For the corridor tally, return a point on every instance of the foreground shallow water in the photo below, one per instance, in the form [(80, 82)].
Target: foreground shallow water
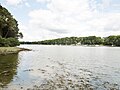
[(61, 68)]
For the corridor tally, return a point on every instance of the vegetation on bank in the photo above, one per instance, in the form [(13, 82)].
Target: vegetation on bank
[(9, 31), (9, 42), (90, 40)]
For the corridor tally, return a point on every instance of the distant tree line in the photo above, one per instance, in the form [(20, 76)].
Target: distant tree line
[(9, 31), (90, 40)]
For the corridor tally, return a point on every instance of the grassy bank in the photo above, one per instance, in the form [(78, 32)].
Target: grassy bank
[(11, 50)]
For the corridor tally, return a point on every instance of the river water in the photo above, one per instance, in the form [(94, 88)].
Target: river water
[(61, 68)]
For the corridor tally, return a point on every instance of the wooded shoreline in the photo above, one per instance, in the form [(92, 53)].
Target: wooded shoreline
[(113, 40)]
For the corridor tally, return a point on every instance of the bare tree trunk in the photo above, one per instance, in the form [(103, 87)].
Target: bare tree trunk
[(6, 33), (0, 31)]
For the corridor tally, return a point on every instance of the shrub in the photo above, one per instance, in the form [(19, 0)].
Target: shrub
[(9, 42)]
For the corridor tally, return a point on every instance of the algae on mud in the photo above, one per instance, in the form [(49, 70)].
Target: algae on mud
[(11, 50)]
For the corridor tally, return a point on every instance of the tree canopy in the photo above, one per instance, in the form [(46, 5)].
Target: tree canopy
[(8, 25), (90, 40), (9, 31)]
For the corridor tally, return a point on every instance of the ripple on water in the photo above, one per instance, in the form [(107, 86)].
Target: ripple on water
[(66, 68)]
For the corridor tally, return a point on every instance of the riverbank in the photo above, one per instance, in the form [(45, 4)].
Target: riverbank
[(11, 50)]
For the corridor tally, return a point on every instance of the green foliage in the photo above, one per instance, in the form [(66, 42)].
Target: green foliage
[(13, 42), (117, 41), (61, 41), (4, 42), (9, 31), (8, 24), (9, 42), (112, 40), (90, 40)]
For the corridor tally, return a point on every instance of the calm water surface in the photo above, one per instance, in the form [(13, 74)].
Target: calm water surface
[(61, 68)]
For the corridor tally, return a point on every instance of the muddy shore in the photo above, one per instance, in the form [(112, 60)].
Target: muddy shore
[(11, 50)]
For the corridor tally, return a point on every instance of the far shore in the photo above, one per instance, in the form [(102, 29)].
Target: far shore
[(75, 45), (11, 50)]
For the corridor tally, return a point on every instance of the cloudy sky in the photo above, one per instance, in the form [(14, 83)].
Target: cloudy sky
[(47, 19)]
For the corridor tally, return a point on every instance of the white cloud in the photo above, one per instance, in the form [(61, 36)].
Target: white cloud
[(43, 1), (72, 18), (17, 2), (62, 17), (27, 4), (105, 4), (14, 2), (110, 20)]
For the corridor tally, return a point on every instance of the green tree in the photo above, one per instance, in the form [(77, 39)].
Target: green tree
[(117, 41), (9, 31), (110, 40), (8, 24), (92, 40)]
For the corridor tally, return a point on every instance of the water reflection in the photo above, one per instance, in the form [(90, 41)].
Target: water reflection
[(8, 67), (61, 68)]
